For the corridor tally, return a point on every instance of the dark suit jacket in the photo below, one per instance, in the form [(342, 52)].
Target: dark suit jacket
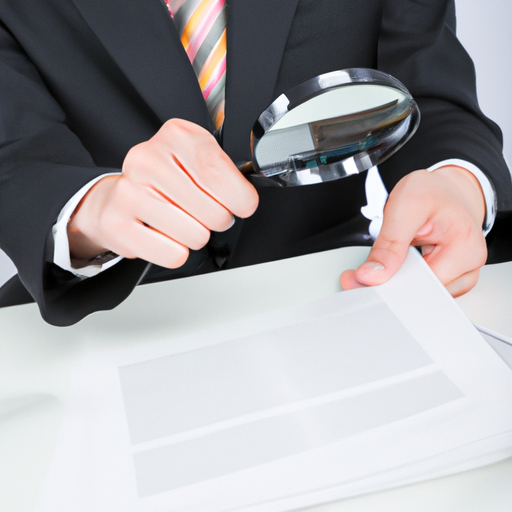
[(82, 81)]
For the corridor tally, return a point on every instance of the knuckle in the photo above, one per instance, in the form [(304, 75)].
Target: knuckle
[(390, 247), (210, 163), (177, 128), (134, 155), (136, 160), (412, 179), (122, 204), (172, 128)]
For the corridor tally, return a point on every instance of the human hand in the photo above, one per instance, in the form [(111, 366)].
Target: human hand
[(441, 211), (174, 189)]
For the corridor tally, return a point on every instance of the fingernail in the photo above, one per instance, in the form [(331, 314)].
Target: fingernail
[(230, 224), (374, 266), (427, 249), (425, 230)]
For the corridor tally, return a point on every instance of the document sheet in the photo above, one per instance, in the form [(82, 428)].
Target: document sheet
[(359, 391)]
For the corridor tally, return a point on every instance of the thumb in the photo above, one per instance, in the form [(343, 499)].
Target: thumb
[(384, 260), (389, 250)]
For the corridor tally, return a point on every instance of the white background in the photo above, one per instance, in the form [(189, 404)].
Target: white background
[(485, 29)]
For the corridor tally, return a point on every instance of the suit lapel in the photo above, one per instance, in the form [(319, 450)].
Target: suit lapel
[(141, 38), (257, 34)]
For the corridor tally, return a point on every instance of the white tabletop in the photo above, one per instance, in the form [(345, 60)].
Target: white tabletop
[(36, 363)]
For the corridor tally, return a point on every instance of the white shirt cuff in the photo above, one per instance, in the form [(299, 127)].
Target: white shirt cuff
[(61, 254), (485, 183)]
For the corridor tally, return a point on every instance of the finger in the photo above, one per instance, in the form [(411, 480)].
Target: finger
[(424, 230), (182, 193), (201, 158), (450, 259), (151, 170), (348, 280), (139, 241), (401, 224), (172, 222), (464, 283), (427, 249)]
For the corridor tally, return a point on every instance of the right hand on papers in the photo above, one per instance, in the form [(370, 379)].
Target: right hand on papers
[(441, 211), (174, 189)]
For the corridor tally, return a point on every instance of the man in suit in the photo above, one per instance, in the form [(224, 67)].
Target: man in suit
[(89, 88)]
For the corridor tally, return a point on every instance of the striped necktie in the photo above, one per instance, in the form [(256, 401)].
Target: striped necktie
[(202, 28)]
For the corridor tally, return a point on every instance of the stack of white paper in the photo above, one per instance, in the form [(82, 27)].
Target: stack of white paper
[(357, 392)]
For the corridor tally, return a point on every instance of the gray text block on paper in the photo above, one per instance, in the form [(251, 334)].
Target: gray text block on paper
[(176, 393), (234, 449)]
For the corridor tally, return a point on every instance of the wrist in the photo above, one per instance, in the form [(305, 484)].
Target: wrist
[(469, 189), (485, 185), (82, 228)]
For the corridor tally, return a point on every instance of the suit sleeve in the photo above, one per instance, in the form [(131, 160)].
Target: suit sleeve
[(42, 164), (418, 45)]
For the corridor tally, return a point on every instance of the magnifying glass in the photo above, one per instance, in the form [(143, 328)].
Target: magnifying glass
[(332, 126)]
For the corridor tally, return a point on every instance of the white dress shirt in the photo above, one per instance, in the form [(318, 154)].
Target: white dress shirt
[(375, 198)]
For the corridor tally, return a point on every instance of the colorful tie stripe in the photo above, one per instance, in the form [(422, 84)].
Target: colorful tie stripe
[(202, 28)]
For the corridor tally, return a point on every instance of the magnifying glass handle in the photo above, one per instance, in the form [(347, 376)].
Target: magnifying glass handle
[(246, 168)]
